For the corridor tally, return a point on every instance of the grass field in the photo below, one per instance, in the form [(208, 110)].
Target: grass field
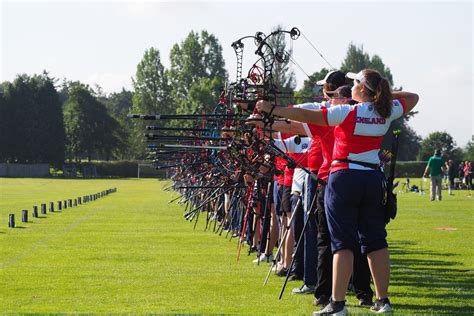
[(132, 252)]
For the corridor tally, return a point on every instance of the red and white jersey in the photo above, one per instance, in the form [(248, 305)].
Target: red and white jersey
[(299, 153), (325, 136), (359, 132), (296, 151), (315, 155), (280, 163)]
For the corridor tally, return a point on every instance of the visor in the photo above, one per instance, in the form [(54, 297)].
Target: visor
[(334, 77), (361, 78)]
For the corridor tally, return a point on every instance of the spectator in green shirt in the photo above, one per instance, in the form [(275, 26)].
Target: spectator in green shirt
[(436, 168)]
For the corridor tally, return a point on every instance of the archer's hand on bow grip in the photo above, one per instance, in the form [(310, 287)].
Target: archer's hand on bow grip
[(264, 106), (255, 120)]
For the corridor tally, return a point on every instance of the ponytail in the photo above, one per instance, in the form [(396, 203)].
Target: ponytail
[(383, 98), (383, 94)]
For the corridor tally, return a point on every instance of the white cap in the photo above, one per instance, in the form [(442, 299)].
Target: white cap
[(361, 78)]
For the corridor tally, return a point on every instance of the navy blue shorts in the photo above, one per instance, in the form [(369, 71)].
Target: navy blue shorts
[(286, 199), (277, 194), (354, 210)]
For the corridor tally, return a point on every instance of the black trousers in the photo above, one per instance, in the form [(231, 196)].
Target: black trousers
[(265, 199), (298, 223), (324, 270)]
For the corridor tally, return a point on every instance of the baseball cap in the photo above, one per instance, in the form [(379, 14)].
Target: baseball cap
[(361, 78), (335, 77)]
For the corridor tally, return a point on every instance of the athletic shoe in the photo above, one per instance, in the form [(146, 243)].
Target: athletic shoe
[(253, 249), (304, 289), (333, 308), (282, 272), (295, 277), (382, 306), (264, 258), (365, 300), (277, 267), (323, 300)]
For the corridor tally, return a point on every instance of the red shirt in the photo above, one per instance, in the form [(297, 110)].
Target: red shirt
[(324, 135), (315, 157), (280, 163)]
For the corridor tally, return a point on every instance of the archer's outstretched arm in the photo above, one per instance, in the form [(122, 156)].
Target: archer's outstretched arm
[(301, 115)]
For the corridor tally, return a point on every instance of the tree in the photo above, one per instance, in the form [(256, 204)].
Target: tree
[(152, 95), (118, 106), (437, 140), (4, 132), (90, 130), (152, 91), (31, 121), (51, 140), (201, 96), (283, 75), (468, 153), (196, 63), (356, 60)]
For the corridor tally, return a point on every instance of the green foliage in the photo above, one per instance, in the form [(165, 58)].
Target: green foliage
[(409, 140), (31, 123), (118, 106), (152, 95), (132, 252), (152, 90), (438, 140), (197, 66), (356, 60), (408, 169), (468, 153), (201, 97), (90, 130), (119, 169), (309, 85)]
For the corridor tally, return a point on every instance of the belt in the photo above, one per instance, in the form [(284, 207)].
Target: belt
[(361, 163)]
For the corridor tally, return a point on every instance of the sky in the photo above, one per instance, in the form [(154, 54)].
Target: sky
[(426, 44)]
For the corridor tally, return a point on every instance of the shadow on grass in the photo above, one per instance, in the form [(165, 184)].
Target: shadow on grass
[(438, 280)]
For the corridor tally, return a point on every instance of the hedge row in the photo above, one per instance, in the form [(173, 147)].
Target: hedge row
[(129, 169), (409, 169), (123, 169), (404, 169)]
